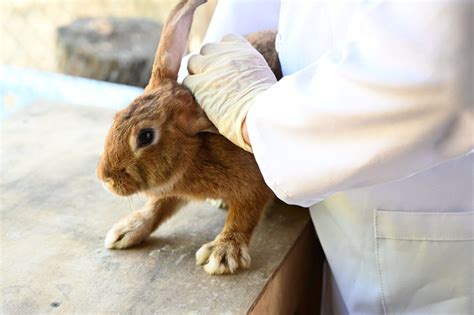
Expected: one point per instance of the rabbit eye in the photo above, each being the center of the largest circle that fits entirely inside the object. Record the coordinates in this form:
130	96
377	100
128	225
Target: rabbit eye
145	137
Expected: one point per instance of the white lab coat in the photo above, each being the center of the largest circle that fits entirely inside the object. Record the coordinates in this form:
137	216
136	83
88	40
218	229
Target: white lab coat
375	116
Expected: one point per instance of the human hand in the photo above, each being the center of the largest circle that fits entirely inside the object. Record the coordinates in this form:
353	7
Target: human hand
225	78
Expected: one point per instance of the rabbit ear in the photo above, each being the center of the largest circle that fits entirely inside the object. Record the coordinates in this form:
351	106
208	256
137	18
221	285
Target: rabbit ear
192	120
174	38
199	125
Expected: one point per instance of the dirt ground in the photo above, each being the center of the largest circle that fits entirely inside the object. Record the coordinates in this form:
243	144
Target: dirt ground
28	27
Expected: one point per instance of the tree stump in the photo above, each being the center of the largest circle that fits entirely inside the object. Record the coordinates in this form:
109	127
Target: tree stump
112	49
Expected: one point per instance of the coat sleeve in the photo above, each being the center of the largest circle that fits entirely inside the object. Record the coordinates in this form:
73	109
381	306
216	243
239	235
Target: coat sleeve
242	17
398	101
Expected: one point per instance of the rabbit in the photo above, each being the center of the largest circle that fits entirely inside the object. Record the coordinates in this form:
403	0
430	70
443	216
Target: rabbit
163	146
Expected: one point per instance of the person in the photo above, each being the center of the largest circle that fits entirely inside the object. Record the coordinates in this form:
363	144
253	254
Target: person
371	127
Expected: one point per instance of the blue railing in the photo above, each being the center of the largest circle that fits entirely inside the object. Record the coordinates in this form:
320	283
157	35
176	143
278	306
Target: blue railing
21	87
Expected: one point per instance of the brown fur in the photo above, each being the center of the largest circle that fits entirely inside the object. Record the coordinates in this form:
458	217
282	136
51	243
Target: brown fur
187	162
264	42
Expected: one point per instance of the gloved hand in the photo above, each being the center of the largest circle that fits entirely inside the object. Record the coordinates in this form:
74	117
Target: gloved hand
225	78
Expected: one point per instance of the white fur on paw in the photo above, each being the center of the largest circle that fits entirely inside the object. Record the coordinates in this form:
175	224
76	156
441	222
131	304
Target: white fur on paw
203	254
221	258
126	234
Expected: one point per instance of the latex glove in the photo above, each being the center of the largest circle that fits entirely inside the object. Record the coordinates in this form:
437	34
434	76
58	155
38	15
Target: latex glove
225	78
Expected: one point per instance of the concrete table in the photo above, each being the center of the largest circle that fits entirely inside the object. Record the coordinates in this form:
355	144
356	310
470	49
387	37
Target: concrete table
55	215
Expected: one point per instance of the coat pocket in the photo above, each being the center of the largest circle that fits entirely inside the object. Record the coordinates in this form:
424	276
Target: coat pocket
425	261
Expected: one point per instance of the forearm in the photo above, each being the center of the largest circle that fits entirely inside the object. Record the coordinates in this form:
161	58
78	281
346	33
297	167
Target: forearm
371	117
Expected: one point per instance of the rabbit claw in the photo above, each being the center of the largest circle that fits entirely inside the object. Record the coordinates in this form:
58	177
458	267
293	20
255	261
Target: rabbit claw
126	233
220	257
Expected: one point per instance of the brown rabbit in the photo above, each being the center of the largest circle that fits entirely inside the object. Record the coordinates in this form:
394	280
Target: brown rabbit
164	146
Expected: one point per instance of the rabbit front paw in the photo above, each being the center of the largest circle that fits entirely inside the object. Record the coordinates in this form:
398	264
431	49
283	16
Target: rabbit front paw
221	257
126	233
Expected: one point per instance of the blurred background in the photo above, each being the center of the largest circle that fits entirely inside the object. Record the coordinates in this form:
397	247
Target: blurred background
29	28
67	50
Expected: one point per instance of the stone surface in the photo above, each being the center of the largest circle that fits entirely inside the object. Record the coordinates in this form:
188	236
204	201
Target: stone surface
55	215
112	49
